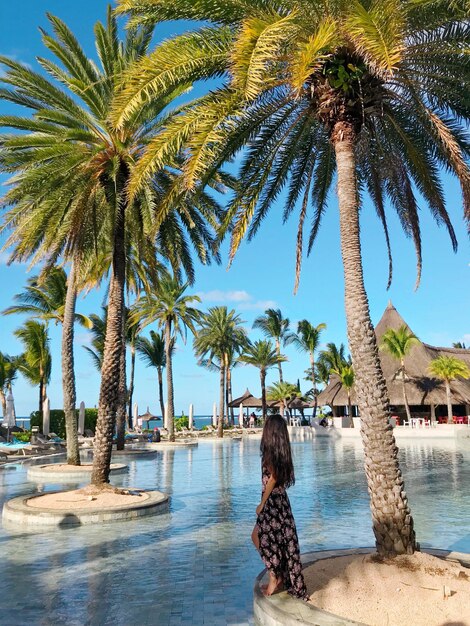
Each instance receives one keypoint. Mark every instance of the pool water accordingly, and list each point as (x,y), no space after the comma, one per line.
(195,565)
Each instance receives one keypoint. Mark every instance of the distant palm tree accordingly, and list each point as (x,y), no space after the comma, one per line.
(307,340)
(171,309)
(448,368)
(98,332)
(263,355)
(52,296)
(282,392)
(220,335)
(460,345)
(398,343)
(274,326)
(8,371)
(35,362)
(346,376)
(152,352)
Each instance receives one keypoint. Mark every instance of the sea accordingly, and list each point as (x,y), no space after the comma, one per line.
(199,422)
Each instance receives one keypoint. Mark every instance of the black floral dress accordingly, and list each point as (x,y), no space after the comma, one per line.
(278,542)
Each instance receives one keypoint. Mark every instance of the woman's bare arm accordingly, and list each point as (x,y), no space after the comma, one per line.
(267,492)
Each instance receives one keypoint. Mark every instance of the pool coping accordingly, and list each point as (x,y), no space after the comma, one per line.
(45,473)
(281,609)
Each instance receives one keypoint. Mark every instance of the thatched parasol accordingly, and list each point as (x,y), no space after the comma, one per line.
(248,400)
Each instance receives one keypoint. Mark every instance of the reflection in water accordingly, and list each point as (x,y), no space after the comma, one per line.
(151,569)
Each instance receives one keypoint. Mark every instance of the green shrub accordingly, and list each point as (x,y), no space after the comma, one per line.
(57,420)
(25,437)
(181,422)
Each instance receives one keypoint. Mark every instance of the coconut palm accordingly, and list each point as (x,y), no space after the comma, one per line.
(8,371)
(52,296)
(376,93)
(448,368)
(332,359)
(346,376)
(398,343)
(263,355)
(283,393)
(170,308)
(152,352)
(220,335)
(35,362)
(307,340)
(274,326)
(71,169)
(98,332)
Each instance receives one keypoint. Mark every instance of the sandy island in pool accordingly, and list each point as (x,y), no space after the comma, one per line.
(404,590)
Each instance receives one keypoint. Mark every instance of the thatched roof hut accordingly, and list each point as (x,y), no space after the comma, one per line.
(248,400)
(421,387)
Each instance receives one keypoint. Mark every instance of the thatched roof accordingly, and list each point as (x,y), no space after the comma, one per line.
(421,387)
(248,400)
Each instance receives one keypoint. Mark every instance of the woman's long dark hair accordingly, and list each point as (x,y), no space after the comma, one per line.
(275,451)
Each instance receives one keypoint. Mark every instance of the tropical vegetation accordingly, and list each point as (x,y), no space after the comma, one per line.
(449,368)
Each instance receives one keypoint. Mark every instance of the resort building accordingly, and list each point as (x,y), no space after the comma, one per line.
(426,395)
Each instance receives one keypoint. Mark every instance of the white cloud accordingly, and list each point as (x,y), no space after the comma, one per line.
(217,295)
(258,305)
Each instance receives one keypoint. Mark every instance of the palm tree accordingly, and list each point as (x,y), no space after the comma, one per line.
(220,335)
(459,345)
(398,344)
(333,359)
(35,362)
(263,355)
(8,370)
(69,191)
(346,376)
(448,368)
(274,326)
(152,352)
(307,340)
(98,331)
(52,296)
(283,393)
(374,92)
(169,307)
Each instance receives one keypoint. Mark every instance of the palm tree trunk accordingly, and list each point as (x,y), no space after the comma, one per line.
(122,404)
(112,360)
(220,423)
(170,421)
(278,351)
(229,395)
(3,402)
(314,385)
(131,385)
(262,375)
(449,403)
(68,371)
(405,397)
(392,520)
(160,391)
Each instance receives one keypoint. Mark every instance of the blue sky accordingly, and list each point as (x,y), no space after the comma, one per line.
(263,272)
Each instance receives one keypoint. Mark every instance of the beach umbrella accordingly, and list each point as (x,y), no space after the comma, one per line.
(240,415)
(191,418)
(46,417)
(81,418)
(9,417)
(214,414)
(135,415)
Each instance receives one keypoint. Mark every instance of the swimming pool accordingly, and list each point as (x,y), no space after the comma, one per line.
(195,565)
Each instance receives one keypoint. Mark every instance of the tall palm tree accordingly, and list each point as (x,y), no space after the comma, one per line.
(220,335)
(333,359)
(448,368)
(35,362)
(69,191)
(171,309)
(307,340)
(263,355)
(274,326)
(374,92)
(398,343)
(52,296)
(98,332)
(152,352)
(8,371)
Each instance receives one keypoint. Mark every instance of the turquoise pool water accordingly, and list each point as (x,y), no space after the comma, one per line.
(195,565)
